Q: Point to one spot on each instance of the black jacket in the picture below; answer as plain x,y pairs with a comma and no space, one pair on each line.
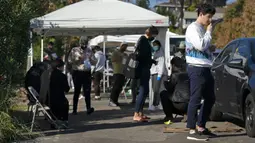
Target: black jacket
178,87
58,87
144,53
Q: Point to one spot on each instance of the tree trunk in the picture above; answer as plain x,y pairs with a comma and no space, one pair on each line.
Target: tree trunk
181,15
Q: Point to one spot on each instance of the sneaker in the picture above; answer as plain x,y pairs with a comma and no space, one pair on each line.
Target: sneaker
208,133
81,97
168,121
112,104
97,98
90,111
152,108
197,136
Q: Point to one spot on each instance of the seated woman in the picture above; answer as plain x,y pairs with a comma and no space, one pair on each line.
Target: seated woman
58,87
175,98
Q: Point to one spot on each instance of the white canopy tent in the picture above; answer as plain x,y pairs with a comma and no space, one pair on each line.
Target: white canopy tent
98,17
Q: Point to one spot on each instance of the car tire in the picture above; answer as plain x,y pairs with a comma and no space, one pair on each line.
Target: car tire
249,116
215,114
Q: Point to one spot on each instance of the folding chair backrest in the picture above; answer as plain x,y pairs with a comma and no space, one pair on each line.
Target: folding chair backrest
34,93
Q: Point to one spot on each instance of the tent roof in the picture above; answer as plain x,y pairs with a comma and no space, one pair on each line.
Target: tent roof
118,39
92,17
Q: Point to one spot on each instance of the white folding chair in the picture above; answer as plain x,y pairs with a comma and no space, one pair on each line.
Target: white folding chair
123,92
39,108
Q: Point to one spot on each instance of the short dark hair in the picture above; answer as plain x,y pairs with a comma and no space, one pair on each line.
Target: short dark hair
206,8
57,63
153,30
97,48
51,43
157,42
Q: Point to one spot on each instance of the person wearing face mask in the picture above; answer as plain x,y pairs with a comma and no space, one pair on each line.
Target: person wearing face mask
198,58
144,57
158,73
81,59
58,103
181,51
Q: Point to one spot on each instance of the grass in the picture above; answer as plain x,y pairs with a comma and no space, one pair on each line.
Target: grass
14,125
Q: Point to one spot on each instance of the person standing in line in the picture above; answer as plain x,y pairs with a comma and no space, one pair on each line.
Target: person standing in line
98,71
144,47
158,73
81,59
198,58
49,54
117,58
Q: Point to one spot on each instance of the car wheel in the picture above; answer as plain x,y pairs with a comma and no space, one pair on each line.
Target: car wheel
215,114
249,108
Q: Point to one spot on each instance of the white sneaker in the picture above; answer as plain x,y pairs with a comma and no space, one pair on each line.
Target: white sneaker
81,97
152,108
97,97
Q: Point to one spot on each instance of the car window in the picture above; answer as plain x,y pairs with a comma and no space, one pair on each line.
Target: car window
225,55
243,51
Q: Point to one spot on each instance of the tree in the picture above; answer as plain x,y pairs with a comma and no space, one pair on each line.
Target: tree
238,22
143,3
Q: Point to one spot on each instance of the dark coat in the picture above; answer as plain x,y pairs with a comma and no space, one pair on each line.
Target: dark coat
178,87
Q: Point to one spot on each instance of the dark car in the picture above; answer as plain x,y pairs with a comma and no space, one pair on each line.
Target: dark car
234,73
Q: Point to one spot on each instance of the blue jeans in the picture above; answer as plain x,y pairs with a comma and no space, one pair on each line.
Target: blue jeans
143,89
201,86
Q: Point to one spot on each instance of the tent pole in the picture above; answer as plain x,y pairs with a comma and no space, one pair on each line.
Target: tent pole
31,47
42,48
104,69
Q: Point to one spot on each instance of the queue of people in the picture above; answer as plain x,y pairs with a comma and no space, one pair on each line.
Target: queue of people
181,93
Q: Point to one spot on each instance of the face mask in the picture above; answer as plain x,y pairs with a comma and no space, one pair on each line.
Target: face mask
155,48
151,38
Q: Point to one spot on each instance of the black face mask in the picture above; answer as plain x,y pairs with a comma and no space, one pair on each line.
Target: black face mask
151,38
83,47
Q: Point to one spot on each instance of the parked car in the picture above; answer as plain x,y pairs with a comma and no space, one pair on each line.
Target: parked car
234,73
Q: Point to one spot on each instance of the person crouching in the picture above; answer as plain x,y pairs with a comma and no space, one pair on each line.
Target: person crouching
175,98
58,87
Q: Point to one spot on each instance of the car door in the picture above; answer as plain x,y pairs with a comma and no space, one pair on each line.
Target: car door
237,76
220,75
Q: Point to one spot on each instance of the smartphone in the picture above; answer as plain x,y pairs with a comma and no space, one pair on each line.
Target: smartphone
216,21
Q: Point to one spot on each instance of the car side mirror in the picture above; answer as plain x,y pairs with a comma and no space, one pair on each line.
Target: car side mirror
236,64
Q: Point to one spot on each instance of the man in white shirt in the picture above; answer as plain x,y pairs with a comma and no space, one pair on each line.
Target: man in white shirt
198,58
98,70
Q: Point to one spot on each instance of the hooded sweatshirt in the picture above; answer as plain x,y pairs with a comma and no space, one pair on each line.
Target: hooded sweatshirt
101,59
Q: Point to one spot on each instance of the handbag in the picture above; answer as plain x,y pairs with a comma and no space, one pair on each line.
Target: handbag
131,65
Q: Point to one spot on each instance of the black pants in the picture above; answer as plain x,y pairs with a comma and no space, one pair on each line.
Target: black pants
134,88
201,86
170,107
97,78
82,79
119,81
60,109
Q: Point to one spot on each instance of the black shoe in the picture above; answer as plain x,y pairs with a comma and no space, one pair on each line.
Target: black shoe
74,113
197,136
207,133
90,111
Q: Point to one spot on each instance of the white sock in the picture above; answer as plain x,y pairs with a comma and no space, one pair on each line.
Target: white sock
192,131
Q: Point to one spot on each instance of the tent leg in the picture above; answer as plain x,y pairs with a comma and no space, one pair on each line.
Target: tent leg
42,48
30,52
107,69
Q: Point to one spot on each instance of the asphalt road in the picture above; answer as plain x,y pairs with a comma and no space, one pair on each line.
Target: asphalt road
115,125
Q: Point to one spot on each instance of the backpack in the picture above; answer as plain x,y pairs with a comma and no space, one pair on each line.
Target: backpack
130,69
33,78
